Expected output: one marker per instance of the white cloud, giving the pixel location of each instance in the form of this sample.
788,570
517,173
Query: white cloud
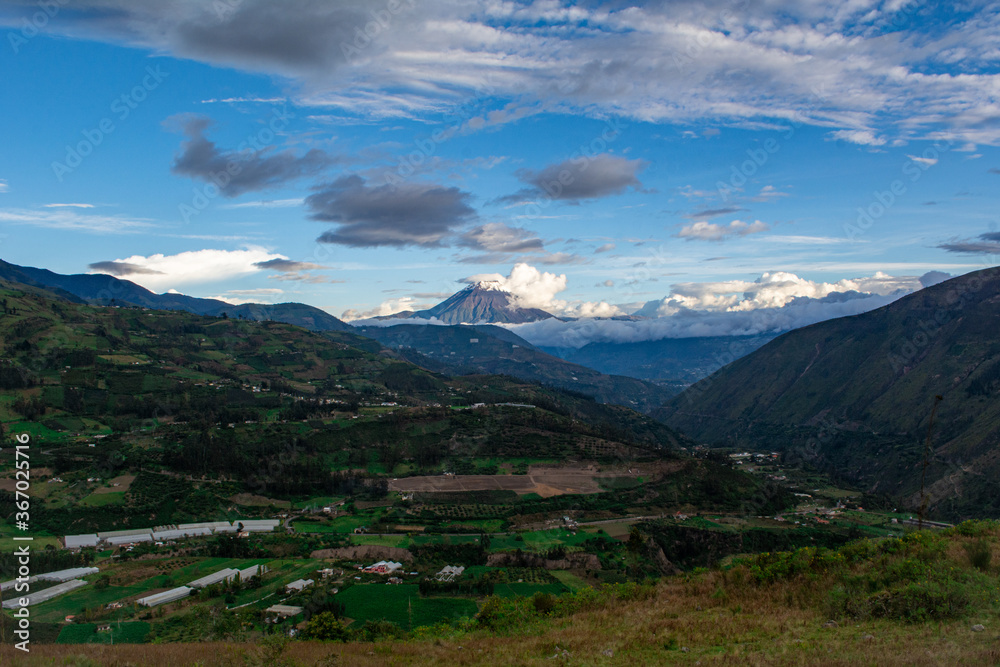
591,309
388,307
4,187
710,231
162,272
532,288
242,100
860,137
854,69
768,193
930,162
69,220
69,206
260,291
689,324
773,303
808,240
771,290
241,296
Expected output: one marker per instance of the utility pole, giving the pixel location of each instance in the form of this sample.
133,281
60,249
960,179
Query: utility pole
927,462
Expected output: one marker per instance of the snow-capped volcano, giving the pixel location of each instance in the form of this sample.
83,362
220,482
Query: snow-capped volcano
484,302
487,285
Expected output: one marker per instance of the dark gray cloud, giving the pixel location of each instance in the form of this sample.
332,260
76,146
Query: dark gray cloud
408,214
933,278
713,212
580,178
971,248
993,170
987,244
288,265
263,34
249,168
258,35
122,269
496,237
497,243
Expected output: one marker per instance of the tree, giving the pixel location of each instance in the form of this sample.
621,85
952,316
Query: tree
326,626
635,540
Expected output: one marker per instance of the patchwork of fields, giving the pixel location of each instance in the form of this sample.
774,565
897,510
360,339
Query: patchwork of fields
544,481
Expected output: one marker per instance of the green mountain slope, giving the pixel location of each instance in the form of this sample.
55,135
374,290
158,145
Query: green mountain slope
671,361
103,289
202,409
490,349
854,396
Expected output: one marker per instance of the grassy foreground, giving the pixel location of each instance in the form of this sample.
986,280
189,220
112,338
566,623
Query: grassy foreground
924,599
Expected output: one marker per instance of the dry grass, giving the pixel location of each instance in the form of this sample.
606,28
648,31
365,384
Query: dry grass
714,618
719,623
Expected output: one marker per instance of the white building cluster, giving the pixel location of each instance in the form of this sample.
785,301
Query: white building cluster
68,580
116,538
450,573
181,592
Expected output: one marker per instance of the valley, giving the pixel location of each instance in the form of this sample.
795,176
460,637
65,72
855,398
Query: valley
360,450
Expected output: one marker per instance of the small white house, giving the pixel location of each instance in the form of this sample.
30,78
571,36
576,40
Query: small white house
298,585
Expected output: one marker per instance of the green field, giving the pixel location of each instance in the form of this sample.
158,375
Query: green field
483,525
319,502
568,579
102,499
402,604
546,539
539,540
7,542
53,611
279,573
381,540
342,524
420,540
86,633
527,590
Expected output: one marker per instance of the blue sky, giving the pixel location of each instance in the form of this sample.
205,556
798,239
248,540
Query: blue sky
601,159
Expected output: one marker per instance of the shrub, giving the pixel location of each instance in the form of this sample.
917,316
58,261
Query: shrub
915,602
973,528
326,626
491,612
980,554
544,603
380,629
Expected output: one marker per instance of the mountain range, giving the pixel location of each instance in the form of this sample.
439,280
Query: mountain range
101,289
854,396
670,362
498,350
